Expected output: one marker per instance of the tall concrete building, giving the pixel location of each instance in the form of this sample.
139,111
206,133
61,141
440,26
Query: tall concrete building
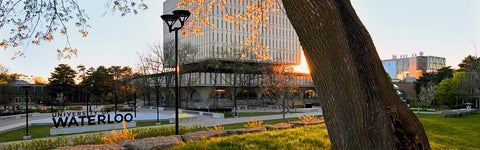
217,69
223,41
412,67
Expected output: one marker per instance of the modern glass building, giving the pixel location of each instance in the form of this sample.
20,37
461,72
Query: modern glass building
412,68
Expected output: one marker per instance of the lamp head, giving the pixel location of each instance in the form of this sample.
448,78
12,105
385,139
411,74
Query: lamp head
182,15
170,19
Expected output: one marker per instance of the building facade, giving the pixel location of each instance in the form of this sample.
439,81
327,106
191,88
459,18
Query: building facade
216,69
15,94
412,68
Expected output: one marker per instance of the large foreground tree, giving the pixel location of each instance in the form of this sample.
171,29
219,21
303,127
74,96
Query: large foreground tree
361,108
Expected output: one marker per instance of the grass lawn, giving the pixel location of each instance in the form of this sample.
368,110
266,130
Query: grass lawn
452,133
443,133
43,131
36,132
265,122
307,137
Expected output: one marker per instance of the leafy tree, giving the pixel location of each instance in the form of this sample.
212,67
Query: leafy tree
82,72
102,82
469,63
98,82
424,80
443,73
448,90
470,86
122,82
62,81
427,95
433,78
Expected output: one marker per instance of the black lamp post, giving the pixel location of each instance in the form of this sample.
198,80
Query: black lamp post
52,102
115,101
170,19
91,92
156,99
27,135
63,92
87,99
135,104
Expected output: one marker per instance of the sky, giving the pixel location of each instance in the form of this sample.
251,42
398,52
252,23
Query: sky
444,28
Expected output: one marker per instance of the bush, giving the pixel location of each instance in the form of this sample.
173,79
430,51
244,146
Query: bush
126,109
116,137
48,110
253,123
415,104
75,107
165,130
217,128
307,117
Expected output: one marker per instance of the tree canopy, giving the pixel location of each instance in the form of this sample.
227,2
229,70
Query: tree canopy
448,89
62,80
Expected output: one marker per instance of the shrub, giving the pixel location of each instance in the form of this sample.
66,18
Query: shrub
217,128
165,130
253,123
47,109
116,137
307,117
125,109
75,107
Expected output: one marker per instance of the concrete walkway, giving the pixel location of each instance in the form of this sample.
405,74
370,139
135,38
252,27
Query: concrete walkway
209,121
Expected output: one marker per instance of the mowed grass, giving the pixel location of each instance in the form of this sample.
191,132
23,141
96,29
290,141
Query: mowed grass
443,133
35,131
307,137
452,133
43,131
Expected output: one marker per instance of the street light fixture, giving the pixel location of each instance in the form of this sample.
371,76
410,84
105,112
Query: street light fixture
170,20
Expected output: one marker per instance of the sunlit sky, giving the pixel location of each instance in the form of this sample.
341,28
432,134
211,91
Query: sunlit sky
445,28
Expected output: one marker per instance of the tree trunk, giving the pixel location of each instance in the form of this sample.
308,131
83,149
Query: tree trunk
360,106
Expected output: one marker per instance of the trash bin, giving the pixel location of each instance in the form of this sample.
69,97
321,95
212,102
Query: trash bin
308,105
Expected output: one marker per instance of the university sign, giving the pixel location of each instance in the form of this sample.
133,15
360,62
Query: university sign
81,121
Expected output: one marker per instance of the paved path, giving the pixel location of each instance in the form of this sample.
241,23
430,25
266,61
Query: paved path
209,121
9,124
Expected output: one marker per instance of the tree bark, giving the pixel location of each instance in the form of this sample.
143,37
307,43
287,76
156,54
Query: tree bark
360,106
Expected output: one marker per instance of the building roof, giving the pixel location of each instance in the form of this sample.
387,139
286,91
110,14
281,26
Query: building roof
21,82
